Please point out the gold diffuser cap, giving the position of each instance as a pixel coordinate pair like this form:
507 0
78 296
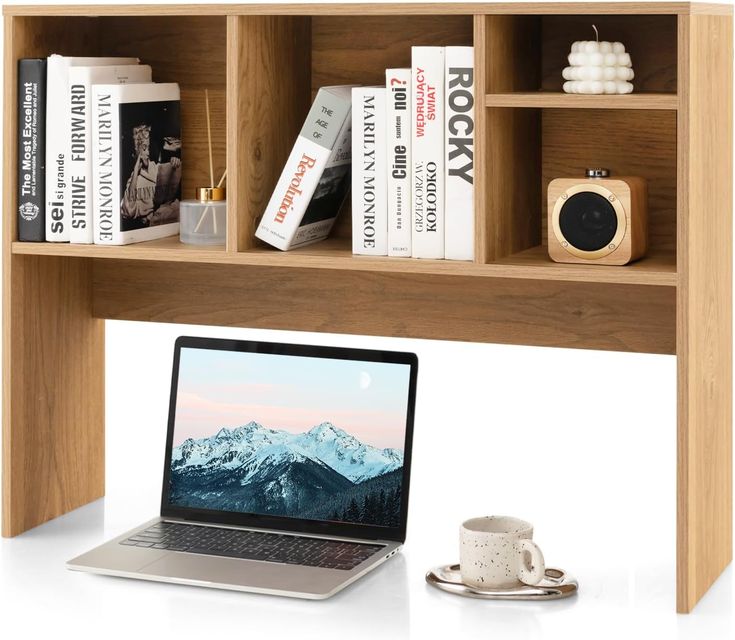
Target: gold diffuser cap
209 194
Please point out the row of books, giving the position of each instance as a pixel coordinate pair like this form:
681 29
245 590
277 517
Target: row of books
409 148
99 151
413 159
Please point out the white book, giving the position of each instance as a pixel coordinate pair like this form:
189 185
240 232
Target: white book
136 156
79 153
58 188
369 172
398 148
427 99
459 196
315 179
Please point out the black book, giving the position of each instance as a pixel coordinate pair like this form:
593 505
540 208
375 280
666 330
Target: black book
31 149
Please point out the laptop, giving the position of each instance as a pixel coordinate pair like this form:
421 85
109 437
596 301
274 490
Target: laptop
286 470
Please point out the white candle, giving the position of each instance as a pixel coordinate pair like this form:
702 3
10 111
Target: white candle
598 67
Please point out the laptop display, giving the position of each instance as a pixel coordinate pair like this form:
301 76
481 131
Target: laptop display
294 436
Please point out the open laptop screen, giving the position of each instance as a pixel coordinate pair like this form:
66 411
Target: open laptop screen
290 436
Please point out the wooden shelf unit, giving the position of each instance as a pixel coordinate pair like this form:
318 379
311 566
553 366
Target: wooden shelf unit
262 64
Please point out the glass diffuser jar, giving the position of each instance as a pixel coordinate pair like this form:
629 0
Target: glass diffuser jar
204 219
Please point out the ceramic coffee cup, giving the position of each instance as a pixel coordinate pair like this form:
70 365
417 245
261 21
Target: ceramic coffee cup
496 552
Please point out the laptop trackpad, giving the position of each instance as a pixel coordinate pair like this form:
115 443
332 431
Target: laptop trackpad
246 574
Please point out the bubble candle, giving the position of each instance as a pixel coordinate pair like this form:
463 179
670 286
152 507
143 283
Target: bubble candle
598 67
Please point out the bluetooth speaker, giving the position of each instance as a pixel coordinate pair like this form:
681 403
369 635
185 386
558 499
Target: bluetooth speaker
597 219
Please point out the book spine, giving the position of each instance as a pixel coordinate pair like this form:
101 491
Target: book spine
80 166
369 172
303 170
459 230
106 166
398 148
57 169
31 150
427 99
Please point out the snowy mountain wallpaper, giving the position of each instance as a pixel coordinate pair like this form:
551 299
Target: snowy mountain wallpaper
289 436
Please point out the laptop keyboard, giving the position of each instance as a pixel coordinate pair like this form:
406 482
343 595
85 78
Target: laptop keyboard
253 545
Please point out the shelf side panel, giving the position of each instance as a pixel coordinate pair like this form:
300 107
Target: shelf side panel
53 392
509 160
704 341
268 80
560 314
53 349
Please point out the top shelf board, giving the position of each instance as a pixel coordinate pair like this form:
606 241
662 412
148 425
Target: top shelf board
357 9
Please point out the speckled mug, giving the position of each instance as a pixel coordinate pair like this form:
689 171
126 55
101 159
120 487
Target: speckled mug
496 552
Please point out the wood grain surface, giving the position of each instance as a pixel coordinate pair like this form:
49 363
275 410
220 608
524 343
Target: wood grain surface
268 100
555 99
512 311
704 319
358 9
335 254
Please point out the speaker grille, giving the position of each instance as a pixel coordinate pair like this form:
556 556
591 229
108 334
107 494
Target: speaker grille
588 221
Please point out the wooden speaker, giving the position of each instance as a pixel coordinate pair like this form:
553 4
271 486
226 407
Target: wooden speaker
597 220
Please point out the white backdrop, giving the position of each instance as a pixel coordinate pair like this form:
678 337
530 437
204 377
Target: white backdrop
598 482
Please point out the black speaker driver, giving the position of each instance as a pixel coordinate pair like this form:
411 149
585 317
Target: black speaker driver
588 221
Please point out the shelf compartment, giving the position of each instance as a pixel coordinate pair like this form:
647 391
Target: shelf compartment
190 50
531 147
553 99
277 65
527 53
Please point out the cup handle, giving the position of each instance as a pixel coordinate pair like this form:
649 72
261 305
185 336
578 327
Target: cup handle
530 573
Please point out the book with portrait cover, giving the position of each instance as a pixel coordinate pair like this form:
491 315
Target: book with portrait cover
79 153
58 188
315 178
31 151
136 161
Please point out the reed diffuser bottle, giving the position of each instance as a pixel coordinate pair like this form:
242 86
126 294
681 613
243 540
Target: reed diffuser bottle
204 219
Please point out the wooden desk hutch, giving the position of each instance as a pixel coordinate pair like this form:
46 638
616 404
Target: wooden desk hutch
262 64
